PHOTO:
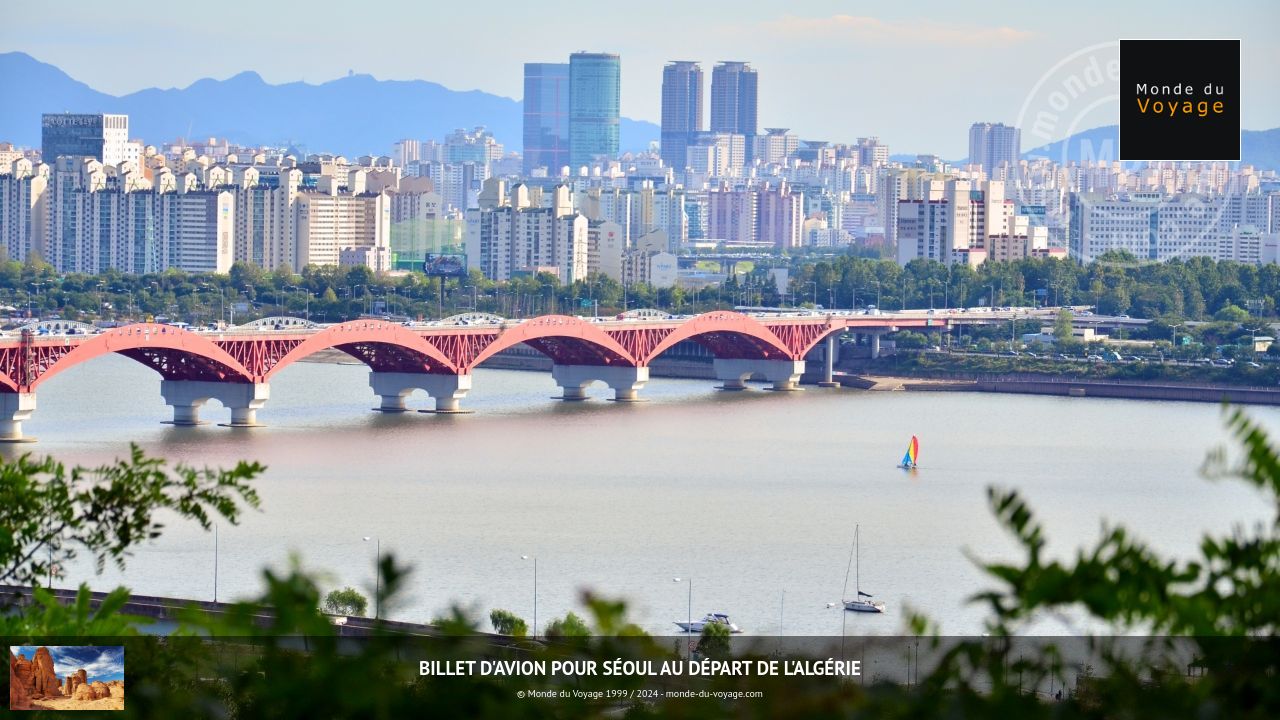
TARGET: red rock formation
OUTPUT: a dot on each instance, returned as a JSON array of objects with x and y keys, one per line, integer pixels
[
  {"x": 44, "y": 680},
  {"x": 100, "y": 690},
  {"x": 75, "y": 680},
  {"x": 117, "y": 688},
  {"x": 18, "y": 699},
  {"x": 66, "y": 686},
  {"x": 24, "y": 670},
  {"x": 84, "y": 692}
]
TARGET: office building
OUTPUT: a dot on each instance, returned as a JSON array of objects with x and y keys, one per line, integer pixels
[
  {"x": 102, "y": 137},
  {"x": 595, "y": 82},
  {"x": 681, "y": 111},
  {"x": 546, "y": 117}
]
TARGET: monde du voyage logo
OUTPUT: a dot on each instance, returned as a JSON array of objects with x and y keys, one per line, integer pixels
[{"x": 1180, "y": 100}]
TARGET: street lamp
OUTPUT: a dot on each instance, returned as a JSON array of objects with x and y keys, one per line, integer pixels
[
  {"x": 377, "y": 588},
  {"x": 535, "y": 592},
  {"x": 815, "y": 293},
  {"x": 215, "y": 562}
]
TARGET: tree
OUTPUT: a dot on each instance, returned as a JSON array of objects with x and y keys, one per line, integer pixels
[
  {"x": 714, "y": 641},
  {"x": 347, "y": 601},
  {"x": 1063, "y": 325},
  {"x": 1232, "y": 313},
  {"x": 49, "y": 515},
  {"x": 506, "y": 622},
  {"x": 570, "y": 626}
]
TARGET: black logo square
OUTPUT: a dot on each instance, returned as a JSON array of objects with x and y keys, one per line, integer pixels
[{"x": 1179, "y": 99}]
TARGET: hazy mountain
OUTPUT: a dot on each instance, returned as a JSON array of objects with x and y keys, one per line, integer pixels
[
  {"x": 1259, "y": 148},
  {"x": 353, "y": 115}
]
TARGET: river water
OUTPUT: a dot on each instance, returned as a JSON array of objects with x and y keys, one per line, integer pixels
[{"x": 754, "y": 496}]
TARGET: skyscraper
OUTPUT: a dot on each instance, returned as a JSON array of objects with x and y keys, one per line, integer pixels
[
  {"x": 546, "y": 116},
  {"x": 681, "y": 110},
  {"x": 734, "y": 88},
  {"x": 595, "y": 81},
  {"x": 991, "y": 145}
]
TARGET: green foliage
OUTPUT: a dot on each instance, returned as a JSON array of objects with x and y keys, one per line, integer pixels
[
  {"x": 347, "y": 601},
  {"x": 1063, "y": 325},
  {"x": 49, "y": 515},
  {"x": 570, "y": 626},
  {"x": 714, "y": 641},
  {"x": 1232, "y": 314},
  {"x": 506, "y": 622}
]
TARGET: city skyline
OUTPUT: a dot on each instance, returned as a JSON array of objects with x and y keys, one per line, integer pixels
[{"x": 815, "y": 59}]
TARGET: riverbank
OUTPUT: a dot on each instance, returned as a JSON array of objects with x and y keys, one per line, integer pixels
[{"x": 882, "y": 376}]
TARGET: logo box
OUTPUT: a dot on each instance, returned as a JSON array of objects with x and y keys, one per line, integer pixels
[{"x": 1180, "y": 100}]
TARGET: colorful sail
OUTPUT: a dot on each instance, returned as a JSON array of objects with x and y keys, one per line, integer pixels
[{"x": 913, "y": 452}]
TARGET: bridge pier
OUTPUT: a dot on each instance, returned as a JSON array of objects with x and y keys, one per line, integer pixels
[
  {"x": 829, "y": 362},
  {"x": 394, "y": 388},
  {"x": 875, "y": 345},
  {"x": 734, "y": 372},
  {"x": 14, "y": 409},
  {"x": 626, "y": 381},
  {"x": 188, "y": 396}
]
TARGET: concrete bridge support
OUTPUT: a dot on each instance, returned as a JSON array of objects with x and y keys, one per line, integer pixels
[
  {"x": 14, "y": 409},
  {"x": 395, "y": 387},
  {"x": 829, "y": 362},
  {"x": 875, "y": 345},
  {"x": 784, "y": 374},
  {"x": 625, "y": 381},
  {"x": 187, "y": 397}
]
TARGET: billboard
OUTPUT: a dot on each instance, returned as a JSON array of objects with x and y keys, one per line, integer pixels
[{"x": 445, "y": 265}]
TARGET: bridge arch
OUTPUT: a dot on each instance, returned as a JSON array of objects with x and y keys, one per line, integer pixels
[
  {"x": 728, "y": 335},
  {"x": 382, "y": 345},
  {"x": 566, "y": 340},
  {"x": 175, "y": 353}
]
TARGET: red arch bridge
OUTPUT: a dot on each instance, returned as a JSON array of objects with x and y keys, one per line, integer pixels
[{"x": 235, "y": 365}]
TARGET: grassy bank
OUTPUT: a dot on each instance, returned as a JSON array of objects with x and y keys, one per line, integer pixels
[{"x": 963, "y": 364}]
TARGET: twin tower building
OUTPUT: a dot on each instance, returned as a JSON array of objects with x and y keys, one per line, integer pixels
[{"x": 572, "y": 113}]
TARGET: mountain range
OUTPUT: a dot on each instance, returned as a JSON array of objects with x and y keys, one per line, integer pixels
[
  {"x": 344, "y": 115},
  {"x": 353, "y": 115},
  {"x": 1259, "y": 148}
]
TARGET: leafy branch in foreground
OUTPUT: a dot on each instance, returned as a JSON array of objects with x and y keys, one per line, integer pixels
[
  {"x": 1232, "y": 589},
  {"x": 49, "y": 515}
]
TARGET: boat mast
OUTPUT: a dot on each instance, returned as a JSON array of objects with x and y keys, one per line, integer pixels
[{"x": 857, "y": 578}]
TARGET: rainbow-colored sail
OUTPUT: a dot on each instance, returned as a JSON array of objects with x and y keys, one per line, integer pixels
[{"x": 913, "y": 452}]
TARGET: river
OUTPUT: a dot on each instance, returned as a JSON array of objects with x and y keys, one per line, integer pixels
[{"x": 754, "y": 496}]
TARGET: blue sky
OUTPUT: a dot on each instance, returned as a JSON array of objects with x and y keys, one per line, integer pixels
[
  {"x": 916, "y": 74},
  {"x": 100, "y": 663}
]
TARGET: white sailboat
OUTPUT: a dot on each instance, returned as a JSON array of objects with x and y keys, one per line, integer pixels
[{"x": 858, "y": 603}]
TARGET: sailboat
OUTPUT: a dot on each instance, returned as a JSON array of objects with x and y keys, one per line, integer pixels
[
  {"x": 913, "y": 452},
  {"x": 858, "y": 603}
]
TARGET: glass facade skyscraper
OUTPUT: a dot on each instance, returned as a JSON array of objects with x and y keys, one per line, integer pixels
[
  {"x": 546, "y": 116},
  {"x": 681, "y": 110},
  {"x": 595, "y": 81},
  {"x": 734, "y": 88},
  {"x": 99, "y": 136}
]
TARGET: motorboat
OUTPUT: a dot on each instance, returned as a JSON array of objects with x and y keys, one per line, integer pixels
[{"x": 709, "y": 619}]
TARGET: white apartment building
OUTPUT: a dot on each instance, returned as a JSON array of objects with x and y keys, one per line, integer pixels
[
  {"x": 507, "y": 234},
  {"x": 1155, "y": 226},
  {"x": 328, "y": 222},
  {"x": 22, "y": 208}
]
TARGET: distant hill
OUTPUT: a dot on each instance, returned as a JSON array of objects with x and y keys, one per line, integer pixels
[
  {"x": 1259, "y": 148},
  {"x": 353, "y": 115}
]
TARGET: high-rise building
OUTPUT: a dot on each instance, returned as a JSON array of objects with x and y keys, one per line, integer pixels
[
  {"x": 546, "y": 117},
  {"x": 595, "y": 82},
  {"x": 508, "y": 233},
  {"x": 104, "y": 138},
  {"x": 734, "y": 88},
  {"x": 22, "y": 209},
  {"x": 993, "y": 145},
  {"x": 681, "y": 110}
]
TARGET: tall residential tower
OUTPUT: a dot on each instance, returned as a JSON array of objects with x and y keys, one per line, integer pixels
[
  {"x": 734, "y": 101},
  {"x": 681, "y": 110}
]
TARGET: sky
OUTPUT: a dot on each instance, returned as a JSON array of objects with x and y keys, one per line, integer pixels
[
  {"x": 916, "y": 74},
  {"x": 100, "y": 663}
]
